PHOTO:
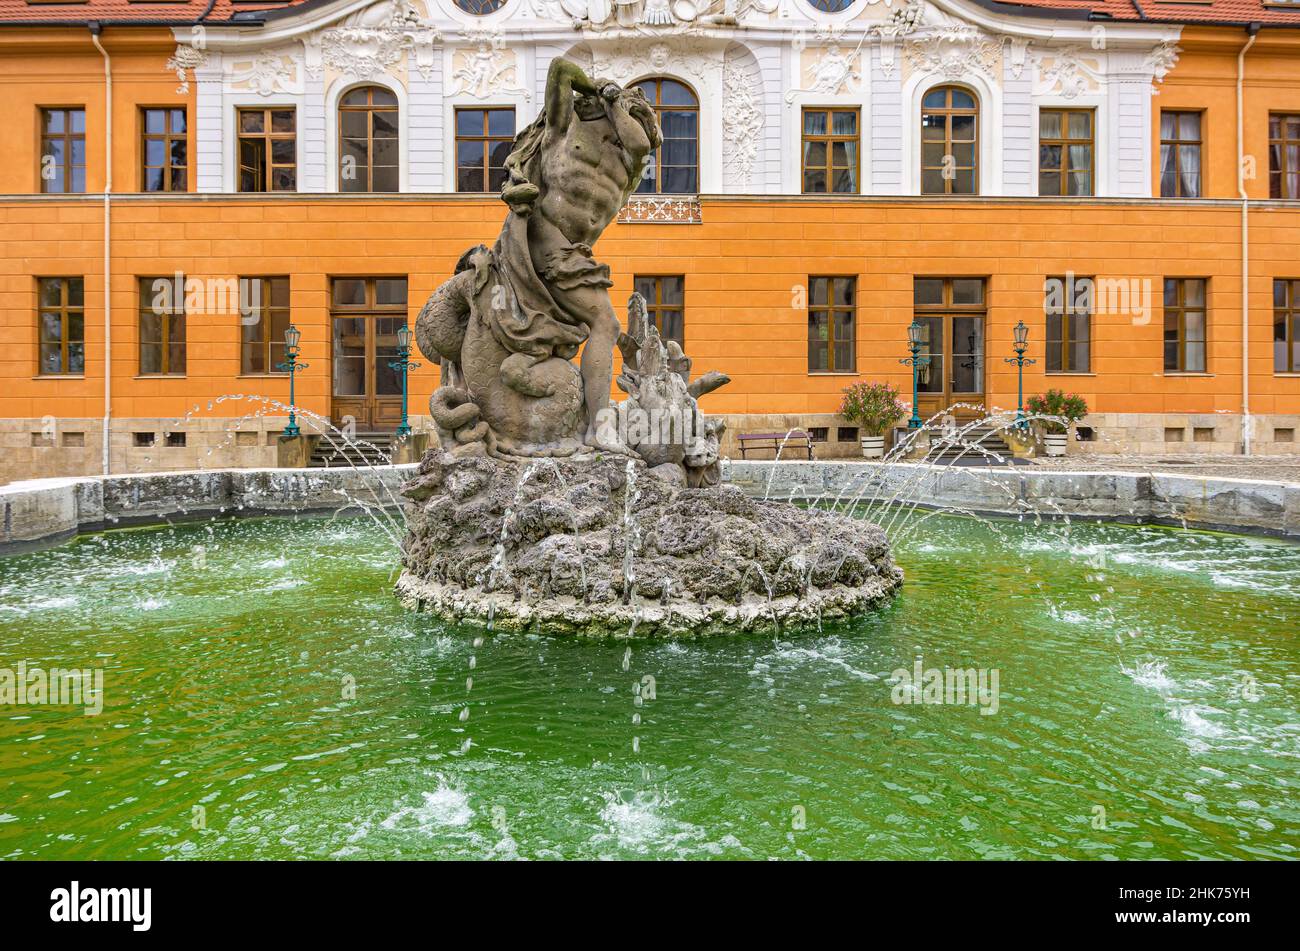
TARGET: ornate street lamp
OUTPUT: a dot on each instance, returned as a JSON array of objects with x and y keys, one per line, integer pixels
[
  {"x": 291, "y": 338},
  {"x": 915, "y": 361},
  {"x": 1021, "y": 345},
  {"x": 404, "y": 365}
]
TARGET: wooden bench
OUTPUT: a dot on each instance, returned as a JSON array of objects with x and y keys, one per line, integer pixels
[{"x": 781, "y": 444}]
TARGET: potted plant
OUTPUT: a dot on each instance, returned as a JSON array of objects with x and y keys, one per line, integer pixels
[
  {"x": 1057, "y": 412},
  {"x": 875, "y": 408}
]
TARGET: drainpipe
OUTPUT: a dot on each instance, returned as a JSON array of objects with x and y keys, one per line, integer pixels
[
  {"x": 108, "y": 242},
  {"x": 1252, "y": 32}
]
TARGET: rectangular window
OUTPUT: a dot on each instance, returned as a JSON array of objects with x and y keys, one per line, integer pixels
[
  {"x": 483, "y": 140},
  {"x": 1286, "y": 326},
  {"x": 665, "y": 303},
  {"x": 1065, "y": 151},
  {"x": 263, "y": 326},
  {"x": 162, "y": 326},
  {"x": 1284, "y": 155},
  {"x": 164, "y": 154},
  {"x": 1068, "y": 303},
  {"x": 1184, "y": 325},
  {"x": 63, "y": 151},
  {"x": 61, "y": 325},
  {"x": 1180, "y": 154},
  {"x": 830, "y": 151},
  {"x": 268, "y": 150},
  {"x": 832, "y": 324}
]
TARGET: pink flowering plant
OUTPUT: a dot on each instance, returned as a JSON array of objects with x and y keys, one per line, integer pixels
[
  {"x": 875, "y": 407},
  {"x": 1068, "y": 408}
]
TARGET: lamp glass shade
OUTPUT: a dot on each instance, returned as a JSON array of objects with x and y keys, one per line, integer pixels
[
  {"x": 292, "y": 336},
  {"x": 404, "y": 336},
  {"x": 1022, "y": 334},
  {"x": 914, "y": 334}
]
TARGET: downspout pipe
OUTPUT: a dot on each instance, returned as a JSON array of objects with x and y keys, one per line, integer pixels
[
  {"x": 108, "y": 245},
  {"x": 1247, "y": 425}
]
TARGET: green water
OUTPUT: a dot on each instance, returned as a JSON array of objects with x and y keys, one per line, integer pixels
[{"x": 1147, "y": 708}]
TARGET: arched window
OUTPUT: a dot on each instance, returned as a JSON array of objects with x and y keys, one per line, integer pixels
[
  {"x": 369, "y": 148},
  {"x": 675, "y": 168},
  {"x": 949, "y": 142},
  {"x": 480, "y": 8}
]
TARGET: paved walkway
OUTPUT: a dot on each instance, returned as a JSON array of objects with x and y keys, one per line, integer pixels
[{"x": 1268, "y": 468}]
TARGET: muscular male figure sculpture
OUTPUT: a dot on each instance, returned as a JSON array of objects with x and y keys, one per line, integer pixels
[{"x": 593, "y": 147}]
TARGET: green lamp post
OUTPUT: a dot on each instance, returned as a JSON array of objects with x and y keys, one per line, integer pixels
[
  {"x": 403, "y": 365},
  {"x": 292, "y": 336},
  {"x": 1021, "y": 345},
  {"x": 915, "y": 361}
]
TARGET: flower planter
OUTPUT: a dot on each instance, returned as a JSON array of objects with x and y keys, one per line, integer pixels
[
  {"x": 873, "y": 447},
  {"x": 1054, "y": 443}
]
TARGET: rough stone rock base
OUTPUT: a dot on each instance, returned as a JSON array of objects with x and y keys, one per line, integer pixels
[{"x": 543, "y": 546}]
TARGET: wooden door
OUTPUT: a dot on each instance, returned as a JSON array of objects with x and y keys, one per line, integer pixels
[
  {"x": 952, "y": 315},
  {"x": 365, "y": 315}
]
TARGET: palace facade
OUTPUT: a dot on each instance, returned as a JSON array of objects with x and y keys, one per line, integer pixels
[{"x": 184, "y": 181}]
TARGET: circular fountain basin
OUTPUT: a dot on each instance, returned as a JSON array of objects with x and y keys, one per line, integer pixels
[{"x": 265, "y": 696}]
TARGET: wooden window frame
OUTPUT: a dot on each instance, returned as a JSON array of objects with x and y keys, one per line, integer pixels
[
  {"x": 370, "y": 108},
  {"x": 1177, "y": 145},
  {"x": 67, "y": 137},
  {"x": 829, "y": 139},
  {"x": 948, "y": 111},
  {"x": 1065, "y": 142},
  {"x": 1067, "y": 340},
  {"x": 488, "y": 141},
  {"x": 1289, "y": 312},
  {"x": 831, "y": 310},
  {"x": 659, "y": 108},
  {"x": 165, "y": 328},
  {"x": 1282, "y": 173},
  {"x": 65, "y": 310},
  {"x": 264, "y": 314},
  {"x": 657, "y": 306},
  {"x": 167, "y": 137},
  {"x": 267, "y": 137},
  {"x": 1180, "y": 311}
]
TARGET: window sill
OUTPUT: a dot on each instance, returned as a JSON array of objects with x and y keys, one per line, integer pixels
[
  {"x": 1288, "y": 376},
  {"x": 832, "y": 372},
  {"x": 263, "y": 376},
  {"x": 160, "y": 376},
  {"x": 1068, "y": 373},
  {"x": 59, "y": 376},
  {"x": 1187, "y": 373}
]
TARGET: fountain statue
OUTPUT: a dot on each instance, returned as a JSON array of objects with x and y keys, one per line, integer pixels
[{"x": 545, "y": 505}]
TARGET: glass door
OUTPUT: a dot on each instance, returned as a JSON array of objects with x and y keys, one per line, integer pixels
[{"x": 951, "y": 312}]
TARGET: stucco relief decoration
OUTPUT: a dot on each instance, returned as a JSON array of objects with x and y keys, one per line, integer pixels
[
  {"x": 902, "y": 22},
  {"x": 599, "y": 15},
  {"x": 1063, "y": 71},
  {"x": 835, "y": 70},
  {"x": 1160, "y": 60},
  {"x": 954, "y": 52},
  {"x": 269, "y": 72},
  {"x": 742, "y": 122},
  {"x": 1017, "y": 55},
  {"x": 373, "y": 42},
  {"x": 691, "y": 58},
  {"x": 185, "y": 59},
  {"x": 487, "y": 69}
]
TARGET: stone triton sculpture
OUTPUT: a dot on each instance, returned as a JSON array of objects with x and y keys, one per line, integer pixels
[
  {"x": 545, "y": 506},
  {"x": 507, "y": 326}
]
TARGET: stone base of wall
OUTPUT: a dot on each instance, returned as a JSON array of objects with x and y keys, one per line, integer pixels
[
  {"x": 62, "y": 447},
  {"x": 1148, "y": 434}
]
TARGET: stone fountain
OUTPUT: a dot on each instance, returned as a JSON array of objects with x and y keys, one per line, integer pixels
[{"x": 545, "y": 505}]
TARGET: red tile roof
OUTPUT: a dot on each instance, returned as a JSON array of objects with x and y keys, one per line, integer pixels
[
  {"x": 130, "y": 11},
  {"x": 1160, "y": 11},
  {"x": 188, "y": 11}
]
